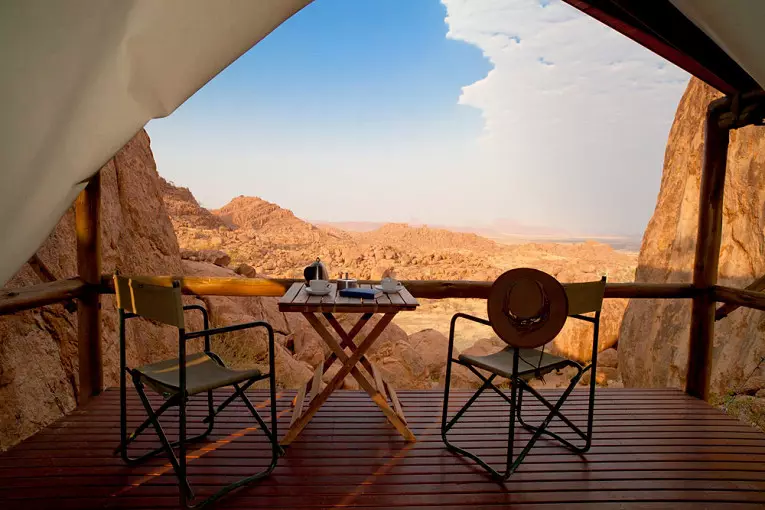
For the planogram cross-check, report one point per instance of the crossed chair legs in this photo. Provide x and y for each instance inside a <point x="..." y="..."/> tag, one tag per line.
<point x="515" y="400"/>
<point x="179" y="462"/>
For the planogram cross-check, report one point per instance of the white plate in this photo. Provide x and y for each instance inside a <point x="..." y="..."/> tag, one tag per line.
<point x="312" y="292"/>
<point x="399" y="288"/>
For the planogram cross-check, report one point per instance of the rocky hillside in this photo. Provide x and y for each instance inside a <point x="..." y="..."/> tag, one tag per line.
<point x="264" y="239"/>
<point x="38" y="348"/>
<point x="653" y="348"/>
<point x="276" y="243"/>
<point x="184" y="210"/>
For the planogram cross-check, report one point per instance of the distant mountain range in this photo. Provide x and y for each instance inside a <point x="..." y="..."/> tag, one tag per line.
<point x="503" y="231"/>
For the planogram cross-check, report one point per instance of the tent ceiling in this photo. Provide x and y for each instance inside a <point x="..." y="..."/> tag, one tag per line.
<point x="736" y="26"/>
<point x="661" y="27"/>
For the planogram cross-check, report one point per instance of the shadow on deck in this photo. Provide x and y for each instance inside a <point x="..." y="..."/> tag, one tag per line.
<point x="651" y="449"/>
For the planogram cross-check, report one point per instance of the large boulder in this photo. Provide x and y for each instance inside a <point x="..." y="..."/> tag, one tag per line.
<point x="575" y="340"/>
<point x="462" y="377"/>
<point x="349" y="383"/>
<point x="249" y="348"/>
<point x="653" y="345"/>
<point x="609" y="358"/>
<point x="432" y="346"/>
<point x="246" y="270"/>
<point x="391" y="335"/>
<point x="309" y="347"/>
<point x="399" y="363"/>
<point x="402" y="366"/>
<point x="217" y="257"/>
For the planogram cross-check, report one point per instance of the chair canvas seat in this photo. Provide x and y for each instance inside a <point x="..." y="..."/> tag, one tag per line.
<point x="202" y="373"/>
<point x="529" y="364"/>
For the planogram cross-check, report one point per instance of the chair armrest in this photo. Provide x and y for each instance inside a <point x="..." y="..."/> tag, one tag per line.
<point x="461" y="315"/>
<point x="205" y="322"/>
<point x="472" y="318"/>
<point x="229" y="329"/>
<point x="205" y="316"/>
<point x="238" y="327"/>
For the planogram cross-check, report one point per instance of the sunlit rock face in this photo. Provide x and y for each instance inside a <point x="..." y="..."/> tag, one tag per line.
<point x="38" y="348"/>
<point x="653" y="344"/>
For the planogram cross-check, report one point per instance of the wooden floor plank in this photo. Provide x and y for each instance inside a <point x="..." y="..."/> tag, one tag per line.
<point x="652" y="449"/>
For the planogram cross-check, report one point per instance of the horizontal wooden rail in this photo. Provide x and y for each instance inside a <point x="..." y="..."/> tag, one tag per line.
<point x="425" y="289"/>
<point x="214" y="285"/>
<point x="276" y="287"/>
<point x="24" y="298"/>
<point x="739" y="297"/>
<point x="651" y="290"/>
<point x="728" y="308"/>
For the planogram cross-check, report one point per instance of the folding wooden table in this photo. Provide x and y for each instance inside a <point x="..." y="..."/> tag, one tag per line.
<point x="381" y="392"/>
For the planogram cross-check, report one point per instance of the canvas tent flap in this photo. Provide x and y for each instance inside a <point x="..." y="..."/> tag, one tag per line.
<point x="736" y="26"/>
<point x="80" y="78"/>
<point x="663" y="28"/>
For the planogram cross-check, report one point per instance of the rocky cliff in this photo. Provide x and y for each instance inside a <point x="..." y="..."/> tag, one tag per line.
<point x="653" y="344"/>
<point x="38" y="348"/>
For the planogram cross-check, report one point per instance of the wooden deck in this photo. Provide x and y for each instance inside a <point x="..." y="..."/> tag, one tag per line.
<point x="652" y="449"/>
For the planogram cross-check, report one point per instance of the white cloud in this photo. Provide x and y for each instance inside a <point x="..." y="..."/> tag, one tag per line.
<point x="576" y="115"/>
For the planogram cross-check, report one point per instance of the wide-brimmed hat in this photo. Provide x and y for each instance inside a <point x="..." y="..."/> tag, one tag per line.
<point x="527" y="307"/>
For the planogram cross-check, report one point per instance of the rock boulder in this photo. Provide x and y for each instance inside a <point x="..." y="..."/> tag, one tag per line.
<point x="653" y="344"/>
<point x="38" y="348"/>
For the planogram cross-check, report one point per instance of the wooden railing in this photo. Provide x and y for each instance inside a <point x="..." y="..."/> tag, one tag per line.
<point x="25" y="298"/>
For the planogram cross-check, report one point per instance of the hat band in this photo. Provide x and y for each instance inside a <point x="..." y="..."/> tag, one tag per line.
<point x="529" y="324"/>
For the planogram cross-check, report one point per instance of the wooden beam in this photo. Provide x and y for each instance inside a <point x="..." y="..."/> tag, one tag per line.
<point x="276" y="287"/>
<point x="42" y="271"/>
<point x="33" y="296"/>
<point x="708" y="239"/>
<point x="87" y="213"/>
<point x="443" y="289"/>
<point x="730" y="307"/>
<point x="739" y="297"/>
<point x="425" y="289"/>
<point x="214" y="285"/>
<point x="650" y="290"/>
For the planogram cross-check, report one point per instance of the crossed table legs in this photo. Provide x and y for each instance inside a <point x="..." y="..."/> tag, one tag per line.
<point x="376" y="389"/>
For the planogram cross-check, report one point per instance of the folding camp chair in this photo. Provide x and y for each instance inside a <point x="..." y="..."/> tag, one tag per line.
<point x="527" y="309"/>
<point x="180" y="378"/>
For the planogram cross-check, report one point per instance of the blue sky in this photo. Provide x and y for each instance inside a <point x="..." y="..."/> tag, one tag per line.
<point x="414" y="110"/>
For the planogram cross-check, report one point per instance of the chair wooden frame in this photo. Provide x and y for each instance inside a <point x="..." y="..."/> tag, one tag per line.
<point x="577" y="308"/>
<point x="178" y="462"/>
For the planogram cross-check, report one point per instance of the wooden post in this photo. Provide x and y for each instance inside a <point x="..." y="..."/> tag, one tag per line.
<point x="706" y="262"/>
<point x="87" y="214"/>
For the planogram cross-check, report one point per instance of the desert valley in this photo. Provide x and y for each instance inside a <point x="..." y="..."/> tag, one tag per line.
<point x="258" y="238"/>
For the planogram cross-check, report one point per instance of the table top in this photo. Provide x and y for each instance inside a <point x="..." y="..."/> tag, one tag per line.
<point x="296" y="299"/>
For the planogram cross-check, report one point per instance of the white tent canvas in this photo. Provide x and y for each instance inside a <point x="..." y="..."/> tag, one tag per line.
<point x="81" y="77"/>
<point x="736" y="27"/>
